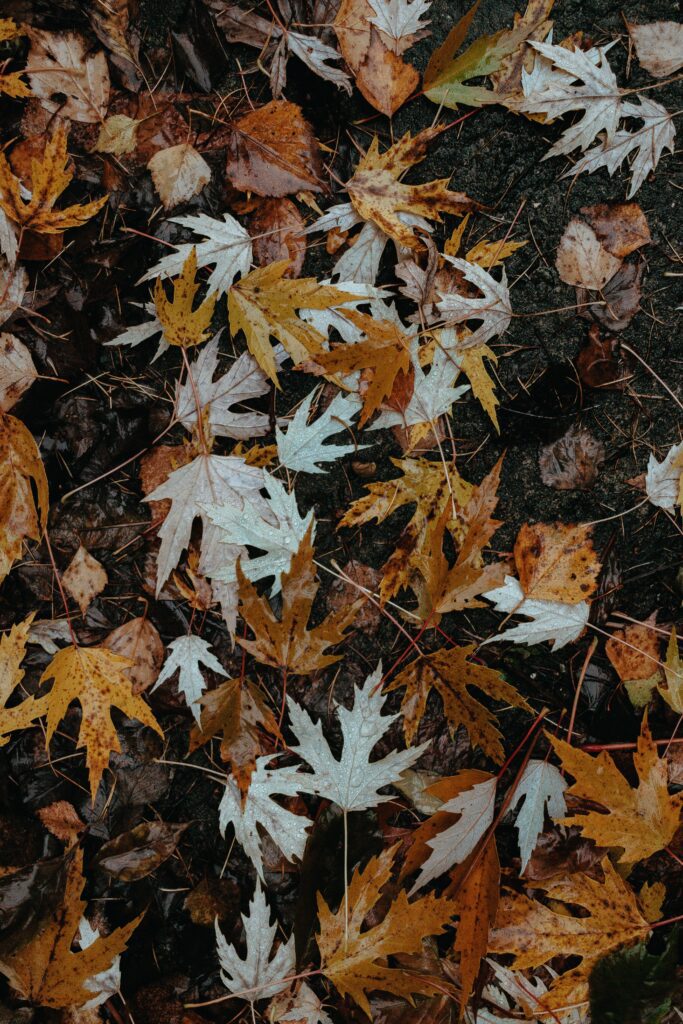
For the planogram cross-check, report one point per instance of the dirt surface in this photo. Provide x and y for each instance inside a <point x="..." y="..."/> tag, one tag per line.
<point x="96" y="409"/>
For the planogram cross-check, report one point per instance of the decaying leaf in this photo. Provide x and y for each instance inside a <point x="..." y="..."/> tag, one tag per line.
<point x="17" y="372"/>
<point x="638" y="821"/>
<point x="48" y="971"/>
<point x="557" y="562"/>
<point x="21" y="470"/>
<point x="12" y="653"/>
<point x="272" y="151"/>
<point x="573" y="461"/>
<point x="664" y="480"/>
<point x="289" y="642"/>
<point x="84" y="578"/>
<point x="66" y="77"/>
<point x="139" y="641"/>
<point x="659" y="46"/>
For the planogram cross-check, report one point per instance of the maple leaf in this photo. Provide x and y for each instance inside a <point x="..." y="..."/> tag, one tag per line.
<point x="355" y="961"/>
<point x="423" y="483"/>
<point x="260" y="974"/>
<point x="264" y="304"/>
<point x="186" y="655"/>
<point x="640" y="821"/>
<point x="48" y="179"/>
<point x="237" y="711"/>
<point x="664" y="480"/>
<point x="66" y="78"/>
<point x="384" y="352"/>
<point x="534" y="934"/>
<point x="17" y="371"/>
<point x="477" y="897"/>
<point x="378" y="196"/>
<point x="96" y="678"/>
<point x="439" y="844"/>
<point x="301" y="448"/>
<point x="450" y="672"/>
<point x="542" y="787"/>
<point x="552" y="620"/>
<point x="12" y="653"/>
<point x="493" y="309"/>
<point x="257" y="811"/>
<point x="288" y="642"/>
<point x="225" y="244"/>
<point x="400" y="22"/>
<point x="208" y="478"/>
<point x="243" y="381"/>
<point x="673" y="673"/>
<point x="178" y="173"/>
<point x="182" y="325"/>
<point x="599" y="96"/>
<point x="433" y="395"/>
<point x="47" y="971"/>
<point x="272" y="151"/>
<point x="353" y="781"/>
<point x="21" y="469"/>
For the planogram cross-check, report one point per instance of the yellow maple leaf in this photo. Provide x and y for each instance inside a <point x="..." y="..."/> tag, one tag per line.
<point x="673" y="673"/>
<point x="96" y="678"/>
<point x="21" y="469"/>
<point x="450" y="672"/>
<point x="184" y="326"/>
<point x="423" y="483"/>
<point x="12" y="653"/>
<point x="48" y="179"/>
<point x="9" y="29"/>
<point x="288" y="642"/>
<point x="640" y="821"/>
<point x="483" y="385"/>
<point x="47" y="971"/>
<point x="535" y="934"/>
<point x="354" y="960"/>
<point x="377" y="194"/>
<point x="12" y="84"/>
<point x="263" y="305"/>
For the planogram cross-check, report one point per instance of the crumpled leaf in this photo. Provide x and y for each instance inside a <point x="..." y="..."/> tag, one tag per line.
<point x="640" y="821"/>
<point x="186" y="656"/>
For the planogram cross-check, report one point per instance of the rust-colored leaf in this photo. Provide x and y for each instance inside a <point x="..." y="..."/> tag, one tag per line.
<point x="272" y="151"/>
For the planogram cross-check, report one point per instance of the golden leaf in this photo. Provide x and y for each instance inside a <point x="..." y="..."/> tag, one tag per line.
<point x="288" y="642"/>
<point x="12" y="652"/>
<point x="49" y="178"/>
<point x="264" y="304"/>
<point x="96" y="678"/>
<point x="483" y="385"/>
<point x="359" y="965"/>
<point x="21" y="469"/>
<point x="534" y="934"/>
<point x="183" y="325"/>
<point x="47" y="971"/>
<point x="450" y="672"/>
<point x="557" y="562"/>
<point x="673" y="672"/>
<point x="640" y="821"/>
<point x="477" y="898"/>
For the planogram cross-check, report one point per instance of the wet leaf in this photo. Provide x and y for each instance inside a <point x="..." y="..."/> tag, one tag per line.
<point x="272" y="151"/>
<point x="136" y="854"/>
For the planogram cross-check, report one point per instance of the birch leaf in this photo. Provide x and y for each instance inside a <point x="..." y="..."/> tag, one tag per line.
<point x="186" y="655"/>
<point x="659" y="46"/>
<point x="542" y="787"/>
<point x="178" y="173"/>
<point x="66" y="77"/>
<point x="17" y="371"/>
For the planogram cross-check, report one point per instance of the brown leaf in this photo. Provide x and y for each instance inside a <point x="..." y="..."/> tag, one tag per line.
<point x="61" y="819"/>
<point x="67" y="78"/>
<point x="572" y="462"/>
<point x="155" y="467"/>
<point x="276" y="227"/>
<point x="272" y="151"/>
<point x="21" y="471"/>
<point x="384" y="79"/>
<point x="620" y="299"/>
<point x="635" y="651"/>
<point x="213" y="898"/>
<point x="139" y="641"/>
<point x="343" y="592"/>
<point x="621" y="228"/>
<point x="598" y="363"/>
<point x="288" y="642"/>
<point x="582" y="260"/>
<point x="563" y="851"/>
<point x="556" y="562"/>
<point x="84" y="578"/>
<point x="17" y="372"/>
<point x="136" y="854"/>
<point x="477" y="899"/>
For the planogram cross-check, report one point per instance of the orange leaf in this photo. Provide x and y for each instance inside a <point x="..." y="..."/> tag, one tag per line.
<point x="272" y="151"/>
<point x="557" y="562"/>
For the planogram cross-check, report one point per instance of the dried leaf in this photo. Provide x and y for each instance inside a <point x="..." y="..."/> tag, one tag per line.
<point x="136" y="854"/>
<point x="21" y="470"/>
<point x="581" y="258"/>
<point x="182" y="325"/>
<point x="673" y="674"/>
<point x="659" y="46"/>
<point x="272" y="151"/>
<point x="138" y="640"/>
<point x="12" y="653"/>
<point x="17" y="372"/>
<point x="178" y="174"/>
<point x="557" y="562"/>
<point x="67" y="78"/>
<point x="276" y="227"/>
<point x="477" y="903"/>
<point x="84" y="578"/>
<point x="572" y="462"/>
<point x="621" y="228"/>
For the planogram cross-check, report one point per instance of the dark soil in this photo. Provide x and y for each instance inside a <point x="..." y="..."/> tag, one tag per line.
<point x="108" y="405"/>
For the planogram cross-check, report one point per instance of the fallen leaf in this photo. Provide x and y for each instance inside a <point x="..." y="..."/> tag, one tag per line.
<point x="664" y="480"/>
<point x="557" y="562"/>
<point x="673" y="674"/>
<point x="581" y="258"/>
<point x="451" y="673"/>
<point x="67" y="78"/>
<point x="659" y="46"/>
<point x="136" y="854"/>
<point x="634" y="652"/>
<point x="301" y="448"/>
<point x="225" y="243"/>
<point x="12" y="653"/>
<point x="138" y="640"/>
<point x="47" y="971"/>
<point x="572" y="462"/>
<point x="186" y="655"/>
<point x="621" y="228"/>
<point x="93" y="676"/>
<point x="61" y="819"/>
<point x="355" y="961"/>
<point x="17" y="372"/>
<point x="84" y="578"/>
<point x="261" y="974"/>
<point x="598" y="364"/>
<point x="477" y="899"/>
<point x="272" y="151"/>
<point x="551" y="620"/>
<point x="618" y="303"/>
<point x="178" y="173"/>
<point x="21" y="470"/>
<point x="118" y="135"/>
<point x="493" y="308"/>
<point x="638" y="821"/>
<point x="276" y="227"/>
<point x="534" y="933"/>
<point x="182" y="325"/>
<point x="542" y="787"/>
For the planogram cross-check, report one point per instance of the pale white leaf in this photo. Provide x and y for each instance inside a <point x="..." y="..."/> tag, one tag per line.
<point x="400" y="21"/>
<point x="433" y="393"/>
<point x="663" y="479"/>
<point x="225" y="243"/>
<point x="9" y="241"/>
<point x="551" y="620"/>
<point x="493" y="309"/>
<point x="186" y="655"/>
<point x="352" y="781"/>
<point x="645" y="144"/>
<point x="659" y="46"/>
<point x="454" y="844"/>
<point x="44" y="633"/>
<point x="316" y="54"/>
<point x="178" y="173"/>
<point x="17" y="371"/>
<point x="301" y="447"/>
<point x="542" y="786"/>
<point x="137" y="333"/>
<point x="288" y="831"/>
<point x="67" y="77"/>
<point x="333" y="317"/>
<point x="225" y="479"/>
<point x="262" y="973"/>
<point x="13" y="285"/>
<point x="273" y="525"/>
<point x="108" y="982"/>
